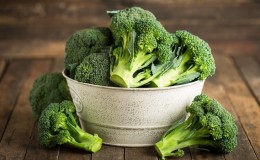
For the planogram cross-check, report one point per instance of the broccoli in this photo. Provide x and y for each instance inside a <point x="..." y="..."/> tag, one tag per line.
<point x="208" y="126"/>
<point x="191" y="59"/>
<point x="84" y="42"/>
<point x="94" y="69"/>
<point x="140" y="40"/>
<point x="58" y="125"/>
<point x="48" y="88"/>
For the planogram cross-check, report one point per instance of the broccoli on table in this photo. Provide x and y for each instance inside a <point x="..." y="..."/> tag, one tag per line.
<point x="84" y="42"/>
<point x="209" y="126"/>
<point x="191" y="60"/>
<point x="48" y="88"/>
<point x="94" y="69"/>
<point x="58" y="125"/>
<point x="140" y="40"/>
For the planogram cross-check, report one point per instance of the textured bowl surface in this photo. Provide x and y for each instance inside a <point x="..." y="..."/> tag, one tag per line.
<point x="130" y="117"/>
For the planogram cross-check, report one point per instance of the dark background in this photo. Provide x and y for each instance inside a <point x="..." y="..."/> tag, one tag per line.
<point x="39" y="29"/>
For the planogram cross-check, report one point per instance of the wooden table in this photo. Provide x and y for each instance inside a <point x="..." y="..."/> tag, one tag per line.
<point x="32" y="38"/>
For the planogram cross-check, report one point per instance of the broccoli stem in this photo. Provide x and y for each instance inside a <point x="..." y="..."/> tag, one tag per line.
<point x="179" y="75"/>
<point x="124" y="73"/>
<point x="184" y="135"/>
<point x="94" y="144"/>
<point x="83" y="139"/>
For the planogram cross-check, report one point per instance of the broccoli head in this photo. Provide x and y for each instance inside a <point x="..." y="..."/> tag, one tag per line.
<point x="94" y="69"/>
<point x="191" y="60"/>
<point x="58" y="125"/>
<point x="84" y="42"/>
<point x="140" y="40"/>
<point x="48" y="88"/>
<point x="208" y="126"/>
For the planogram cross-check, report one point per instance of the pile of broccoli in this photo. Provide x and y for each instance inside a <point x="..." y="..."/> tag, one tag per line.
<point x="56" y="114"/>
<point x="58" y="124"/>
<point x="209" y="126"/>
<point x="137" y="51"/>
<point x="134" y="51"/>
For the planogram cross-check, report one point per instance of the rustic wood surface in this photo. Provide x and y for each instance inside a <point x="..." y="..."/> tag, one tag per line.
<point x="32" y="38"/>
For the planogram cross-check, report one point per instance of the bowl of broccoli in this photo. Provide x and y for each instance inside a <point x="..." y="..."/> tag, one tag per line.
<point x="130" y="116"/>
<point x="131" y="80"/>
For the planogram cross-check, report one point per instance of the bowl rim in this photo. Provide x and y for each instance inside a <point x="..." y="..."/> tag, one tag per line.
<point x="130" y="89"/>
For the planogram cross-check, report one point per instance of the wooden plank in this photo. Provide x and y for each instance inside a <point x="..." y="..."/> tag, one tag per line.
<point x="200" y="20"/>
<point x="244" y="150"/>
<point x="246" y="107"/>
<point x="199" y="154"/>
<point x="36" y="151"/>
<point x="3" y="64"/>
<point x="11" y="85"/>
<point x="32" y="49"/>
<point x="69" y="154"/>
<point x="58" y="65"/>
<point x="67" y="10"/>
<point x="222" y="28"/>
<point x="250" y="69"/>
<point x="246" y="47"/>
<point x="109" y="153"/>
<point x="111" y="2"/>
<point x="191" y="2"/>
<point x="47" y="48"/>
<point x="147" y="153"/>
<point x="18" y="132"/>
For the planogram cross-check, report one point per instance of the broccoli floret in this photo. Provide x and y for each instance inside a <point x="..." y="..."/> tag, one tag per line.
<point x="208" y="126"/>
<point x="84" y="42"/>
<point x="48" y="88"/>
<point x="191" y="60"/>
<point x="140" y="40"/>
<point x="94" y="69"/>
<point x="58" y="125"/>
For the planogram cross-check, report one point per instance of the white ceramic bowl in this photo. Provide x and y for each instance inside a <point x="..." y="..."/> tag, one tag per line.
<point x="131" y="117"/>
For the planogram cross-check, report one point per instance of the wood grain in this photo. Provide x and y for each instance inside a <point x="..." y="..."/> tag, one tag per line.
<point x="69" y="154"/>
<point x="10" y="87"/>
<point x="37" y="152"/>
<point x="211" y="22"/>
<point x="3" y="64"/>
<point x="246" y="107"/>
<point x="217" y="91"/>
<point x="250" y="69"/>
<point x="109" y="153"/>
<point x="32" y="49"/>
<point x="58" y="65"/>
<point x="147" y="153"/>
<point x="20" y="125"/>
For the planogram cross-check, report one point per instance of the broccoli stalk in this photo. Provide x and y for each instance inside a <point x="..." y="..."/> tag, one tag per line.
<point x="58" y="125"/>
<point x="191" y="60"/>
<point x="140" y="40"/>
<point x="209" y="126"/>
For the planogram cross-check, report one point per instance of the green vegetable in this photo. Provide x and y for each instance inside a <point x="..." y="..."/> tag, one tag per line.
<point x="191" y="60"/>
<point x="140" y="40"/>
<point x="94" y="69"/>
<point x="48" y="88"/>
<point x="209" y="126"/>
<point x="84" y="42"/>
<point x="58" y="125"/>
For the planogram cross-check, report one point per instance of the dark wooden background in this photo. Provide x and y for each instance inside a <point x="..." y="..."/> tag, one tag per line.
<point x="32" y="39"/>
<point x="39" y="28"/>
